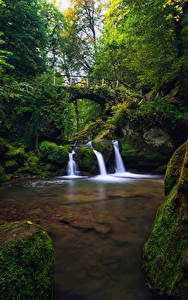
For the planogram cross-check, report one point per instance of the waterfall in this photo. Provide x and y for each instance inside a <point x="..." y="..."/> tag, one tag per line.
<point x="100" y="159"/>
<point x="119" y="165"/>
<point x="72" y="168"/>
<point x="101" y="163"/>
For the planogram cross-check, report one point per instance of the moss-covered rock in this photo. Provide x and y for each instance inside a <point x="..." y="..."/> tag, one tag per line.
<point x="17" y="154"/>
<point x="141" y="157"/>
<point x="165" y="254"/>
<point x="86" y="160"/>
<point x="174" y="168"/>
<point x="3" y="175"/>
<point x="89" y="132"/>
<point x="26" y="262"/>
<point x="56" y="155"/>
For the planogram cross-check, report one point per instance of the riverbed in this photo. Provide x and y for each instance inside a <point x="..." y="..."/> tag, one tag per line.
<point x="98" y="228"/>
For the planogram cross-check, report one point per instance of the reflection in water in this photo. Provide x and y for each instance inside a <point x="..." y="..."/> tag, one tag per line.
<point x="98" y="230"/>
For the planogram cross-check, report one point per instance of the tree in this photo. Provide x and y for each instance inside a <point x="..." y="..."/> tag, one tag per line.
<point x="30" y="30"/>
<point x="79" y="39"/>
<point x="146" y="44"/>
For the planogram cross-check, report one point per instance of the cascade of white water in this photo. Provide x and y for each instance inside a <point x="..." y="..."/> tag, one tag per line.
<point x="101" y="163"/>
<point x="72" y="168"/>
<point x="119" y="165"/>
<point x="100" y="160"/>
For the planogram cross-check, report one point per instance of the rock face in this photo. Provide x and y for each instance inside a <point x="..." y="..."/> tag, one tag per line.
<point x="26" y="262"/>
<point x="146" y="150"/>
<point x="165" y="254"/>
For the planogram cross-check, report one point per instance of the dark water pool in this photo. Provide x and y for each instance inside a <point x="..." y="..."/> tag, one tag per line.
<point x="98" y="231"/>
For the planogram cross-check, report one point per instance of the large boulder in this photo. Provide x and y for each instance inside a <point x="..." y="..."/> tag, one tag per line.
<point x="26" y="262"/>
<point x="146" y="150"/>
<point x="86" y="160"/>
<point x="165" y="254"/>
<point x="54" y="156"/>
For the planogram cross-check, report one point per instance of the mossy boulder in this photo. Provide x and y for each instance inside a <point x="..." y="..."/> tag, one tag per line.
<point x="3" y="175"/>
<point x="26" y="262"/>
<point x="56" y="155"/>
<point x="86" y="160"/>
<point x="165" y="254"/>
<point x="17" y="154"/>
<point x="141" y="157"/>
<point x="174" y="168"/>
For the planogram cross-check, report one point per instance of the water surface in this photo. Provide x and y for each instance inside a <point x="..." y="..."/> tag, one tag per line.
<point x="98" y="230"/>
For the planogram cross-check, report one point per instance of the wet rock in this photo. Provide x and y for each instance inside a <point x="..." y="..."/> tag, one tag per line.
<point x="107" y="150"/>
<point x="86" y="224"/>
<point x="165" y="254"/>
<point x="26" y="262"/>
<point x="86" y="160"/>
<point x="157" y="137"/>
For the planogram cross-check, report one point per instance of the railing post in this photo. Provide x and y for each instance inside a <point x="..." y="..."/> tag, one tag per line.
<point x="54" y="80"/>
<point x="87" y="83"/>
<point x="117" y="84"/>
<point x="102" y="81"/>
<point x="70" y="81"/>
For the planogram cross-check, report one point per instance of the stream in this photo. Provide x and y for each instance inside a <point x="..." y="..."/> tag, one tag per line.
<point x="98" y="229"/>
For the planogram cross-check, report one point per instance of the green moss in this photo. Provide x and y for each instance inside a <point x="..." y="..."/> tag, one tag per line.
<point x="103" y="146"/>
<point x="2" y="170"/>
<point x="54" y="154"/>
<point x="11" y="166"/>
<point x="3" y="175"/>
<point x="166" y="251"/>
<point x="89" y="131"/>
<point x="26" y="264"/>
<point x="85" y="158"/>
<point x="174" y="168"/>
<point x="17" y="154"/>
<point x="140" y="157"/>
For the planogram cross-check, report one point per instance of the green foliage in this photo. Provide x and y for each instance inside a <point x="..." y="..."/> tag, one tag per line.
<point x="143" y="45"/>
<point x="157" y="113"/>
<point x="11" y="166"/>
<point x="3" y="175"/>
<point x="31" y="113"/>
<point x="79" y="38"/>
<point x="2" y="171"/>
<point x="17" y="154"/>
<point x="26" y="265"/>
<point x="54" y="154"/>
<point x="28" y="27"/>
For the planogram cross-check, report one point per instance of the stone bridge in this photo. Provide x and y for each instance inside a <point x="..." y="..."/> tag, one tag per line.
<point x="100" y="91"/>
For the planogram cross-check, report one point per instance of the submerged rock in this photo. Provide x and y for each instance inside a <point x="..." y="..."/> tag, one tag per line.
<point x="165" y="254"/>
<point x="26" y="262"/>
